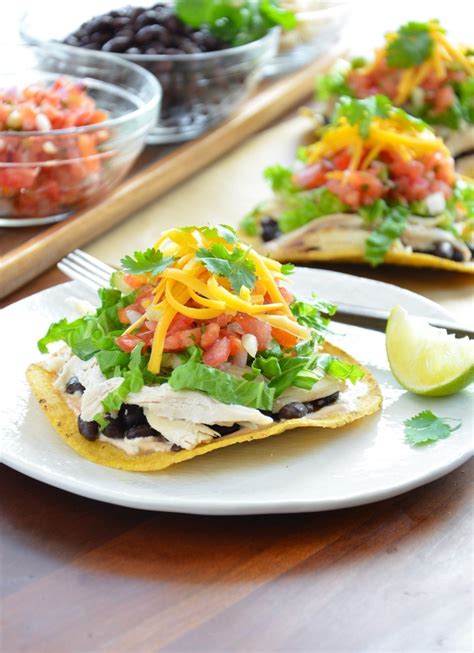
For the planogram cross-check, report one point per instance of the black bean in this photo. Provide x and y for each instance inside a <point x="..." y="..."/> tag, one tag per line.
<point x="99" y="24"/>
<point x="149" y="17"/>
<point x="131" y="415"/>
<point x="133" y="51"/>
<point x="142" y="431"/>
<point x="117" y="44"/>
<point x="74" y="385"/>
<point x="270" y="228"/>
<point x="120" y="23"/>
<point x="471" y="248"/>
<point x="444" y="249"/>
<point x="224" y="430"/>
<point x="176" y="447"/>
<point x="317" y="404"/>
<point x="152" y="33"/>
<point x="114" y="429"/>
<point x="89" y="430"/>
<point x="293" y="411"/>
<point x="458" y="256"/>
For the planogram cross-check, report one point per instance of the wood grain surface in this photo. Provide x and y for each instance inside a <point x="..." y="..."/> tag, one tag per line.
<point x="80" y="576"/>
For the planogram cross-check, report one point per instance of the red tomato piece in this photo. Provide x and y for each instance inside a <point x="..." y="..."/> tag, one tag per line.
<point x="235" y="345"/>
<point x="122" y="315"/>
<point x="284" y="338"/>
<point x="182" y="339"/>
<point x="261" y="330"/>
<point x="179" y="323"/>
<point x="217" y="354"/>
<point x="313" y="176"/>
<point x="128" y="342"/>
<point x="210" y="335"/>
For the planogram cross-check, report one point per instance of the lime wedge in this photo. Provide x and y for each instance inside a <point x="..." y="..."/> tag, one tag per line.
<point x="426" y="360"/>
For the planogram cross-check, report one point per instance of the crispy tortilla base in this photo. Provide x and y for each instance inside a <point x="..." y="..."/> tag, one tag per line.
<point x="355" y="402"/>
<point x="354" y="255"/>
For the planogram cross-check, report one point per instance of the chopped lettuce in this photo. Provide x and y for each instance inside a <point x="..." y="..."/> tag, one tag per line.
<point x="222" y="386"/>
<point x="90" y="333"/>
<point x="281" y="179"/>
<point x="305" y="207"/>
<point x="380" y="240"/>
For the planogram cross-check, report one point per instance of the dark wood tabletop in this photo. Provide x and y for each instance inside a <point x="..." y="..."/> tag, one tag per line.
<point x="83" y="576"/>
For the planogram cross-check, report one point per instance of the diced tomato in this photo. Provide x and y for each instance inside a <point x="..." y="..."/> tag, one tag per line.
<point x="217" y="354"/>
<point x="179" y="323"/>
<point x="127" y="342"/>
<point x="223" y="320"/>
<point x="284" y="338"/>
<point x="341" y="160"/>
<point x="134" y="280"/>
<point x="122" y="315"/>
<point x="261" y="330"/>
<point x="182" y="339"/>
<point x="235" y="345"/>
<point x="210" y="335"/>
<point x="17" y="178"/>
<point x="444" y="99"/>
<point x="313" y="176"/>
<point x="286" y="294"/>
<point x="146" y="335"/>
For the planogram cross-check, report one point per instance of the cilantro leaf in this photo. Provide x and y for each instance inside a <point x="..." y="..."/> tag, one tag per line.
<point x="234" y="265"/>
<point x="152" y="261"/>
<point x="412" y="45"/>
<point x="332" y="84"/>
<point x="362" y="112"/>
<point x="223" y="231"/>
<point x="380" y="240"/>
<point x="280" y="178"/>
<point x="427" y="427"/>
<point x="314" y="314"/>
<point x="287" y="268"/>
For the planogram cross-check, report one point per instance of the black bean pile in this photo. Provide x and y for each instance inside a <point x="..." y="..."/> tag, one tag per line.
<point x="270" y="229"/>
<point x="130" y="423"/>
<point x="298" y="409"/>
<point x="137" y="30"/>
<point x="444" y="249"/>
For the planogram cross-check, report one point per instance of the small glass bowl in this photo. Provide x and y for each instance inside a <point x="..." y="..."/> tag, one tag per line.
<point x="199" y="90"/>
<point x="46" y="175"/>
<point x="319" y="24"/>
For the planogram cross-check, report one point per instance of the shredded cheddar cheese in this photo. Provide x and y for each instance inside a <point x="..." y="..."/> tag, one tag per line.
<point x="187" y="288"/>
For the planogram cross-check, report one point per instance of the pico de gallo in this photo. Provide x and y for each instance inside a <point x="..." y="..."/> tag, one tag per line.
<point x="202" y="322"/>
<point x="377" y="179"/>
<point x="44" y="170"/>
<point x="420" y="70"/>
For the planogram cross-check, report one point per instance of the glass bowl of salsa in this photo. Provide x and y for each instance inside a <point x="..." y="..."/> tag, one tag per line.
<point x="72" y="123"/>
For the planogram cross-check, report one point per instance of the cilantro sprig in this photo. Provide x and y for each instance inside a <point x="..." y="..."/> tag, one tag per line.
<point x="151" y="260"/>
<point x="426" y="427"/>
<point x="362" y="112"/>
<point x="412" y="45"/>
<point x="380" y="239"/>
<point x="234" y="265"/>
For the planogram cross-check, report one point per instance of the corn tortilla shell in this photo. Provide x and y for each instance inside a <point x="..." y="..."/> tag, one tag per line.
<point x="354" y="255"/>
<point x="354" y="402"/>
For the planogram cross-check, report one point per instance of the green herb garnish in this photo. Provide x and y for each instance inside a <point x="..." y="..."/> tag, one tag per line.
<point x="234" y="265"/>
<point x="412" y="46"/>
<point x="151" y="261"/>
<point x="380" y="240"/>
<point x="426" y="427"/>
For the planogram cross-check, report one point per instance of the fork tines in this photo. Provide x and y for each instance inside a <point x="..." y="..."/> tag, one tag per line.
<point x="86" y="268"/>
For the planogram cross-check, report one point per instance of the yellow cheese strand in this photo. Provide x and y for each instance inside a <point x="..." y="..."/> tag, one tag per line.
<point x="194" y="313"/>
<point x="283" y="323"/>
<point x="235" y="303"/>
<point x="154" y="364"/>
<point x="457" y="55"/>
<point x="373" y="154"/>
<point x="265" y="275"/>
<point x="210" y="303"/>
<point x="188" y="280"/>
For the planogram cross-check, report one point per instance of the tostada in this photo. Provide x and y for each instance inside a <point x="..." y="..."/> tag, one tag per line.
<point x="197" y="344"/>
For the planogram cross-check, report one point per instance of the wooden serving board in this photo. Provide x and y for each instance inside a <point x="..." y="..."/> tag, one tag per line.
<point x="28" y="252"/>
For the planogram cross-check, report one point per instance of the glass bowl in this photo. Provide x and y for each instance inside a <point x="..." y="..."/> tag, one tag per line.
<point x="47" y="174"/>
<point x="319" y="24"/>
<point x="199" y="90"/>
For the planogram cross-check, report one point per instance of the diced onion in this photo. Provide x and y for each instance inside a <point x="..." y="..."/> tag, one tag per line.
<point x="153" y="313"/>
<point x="132" y="315"/>
<point x="250" y="344"/>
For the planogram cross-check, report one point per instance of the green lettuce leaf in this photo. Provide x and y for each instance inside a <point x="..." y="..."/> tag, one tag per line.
<point x="222" y="386"/>
<point x="380" y="240"/>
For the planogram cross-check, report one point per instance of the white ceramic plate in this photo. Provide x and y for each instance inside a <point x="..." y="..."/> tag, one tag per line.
<point x="297" y="471"/>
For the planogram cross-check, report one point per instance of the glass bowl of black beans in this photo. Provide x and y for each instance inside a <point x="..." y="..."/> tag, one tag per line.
<point x="203" y="78"/>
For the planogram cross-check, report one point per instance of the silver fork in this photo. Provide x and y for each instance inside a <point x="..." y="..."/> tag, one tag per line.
<point x="86" y="268"/>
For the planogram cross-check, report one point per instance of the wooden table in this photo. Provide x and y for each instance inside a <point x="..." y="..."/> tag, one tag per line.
<point x="82" y="576"/>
